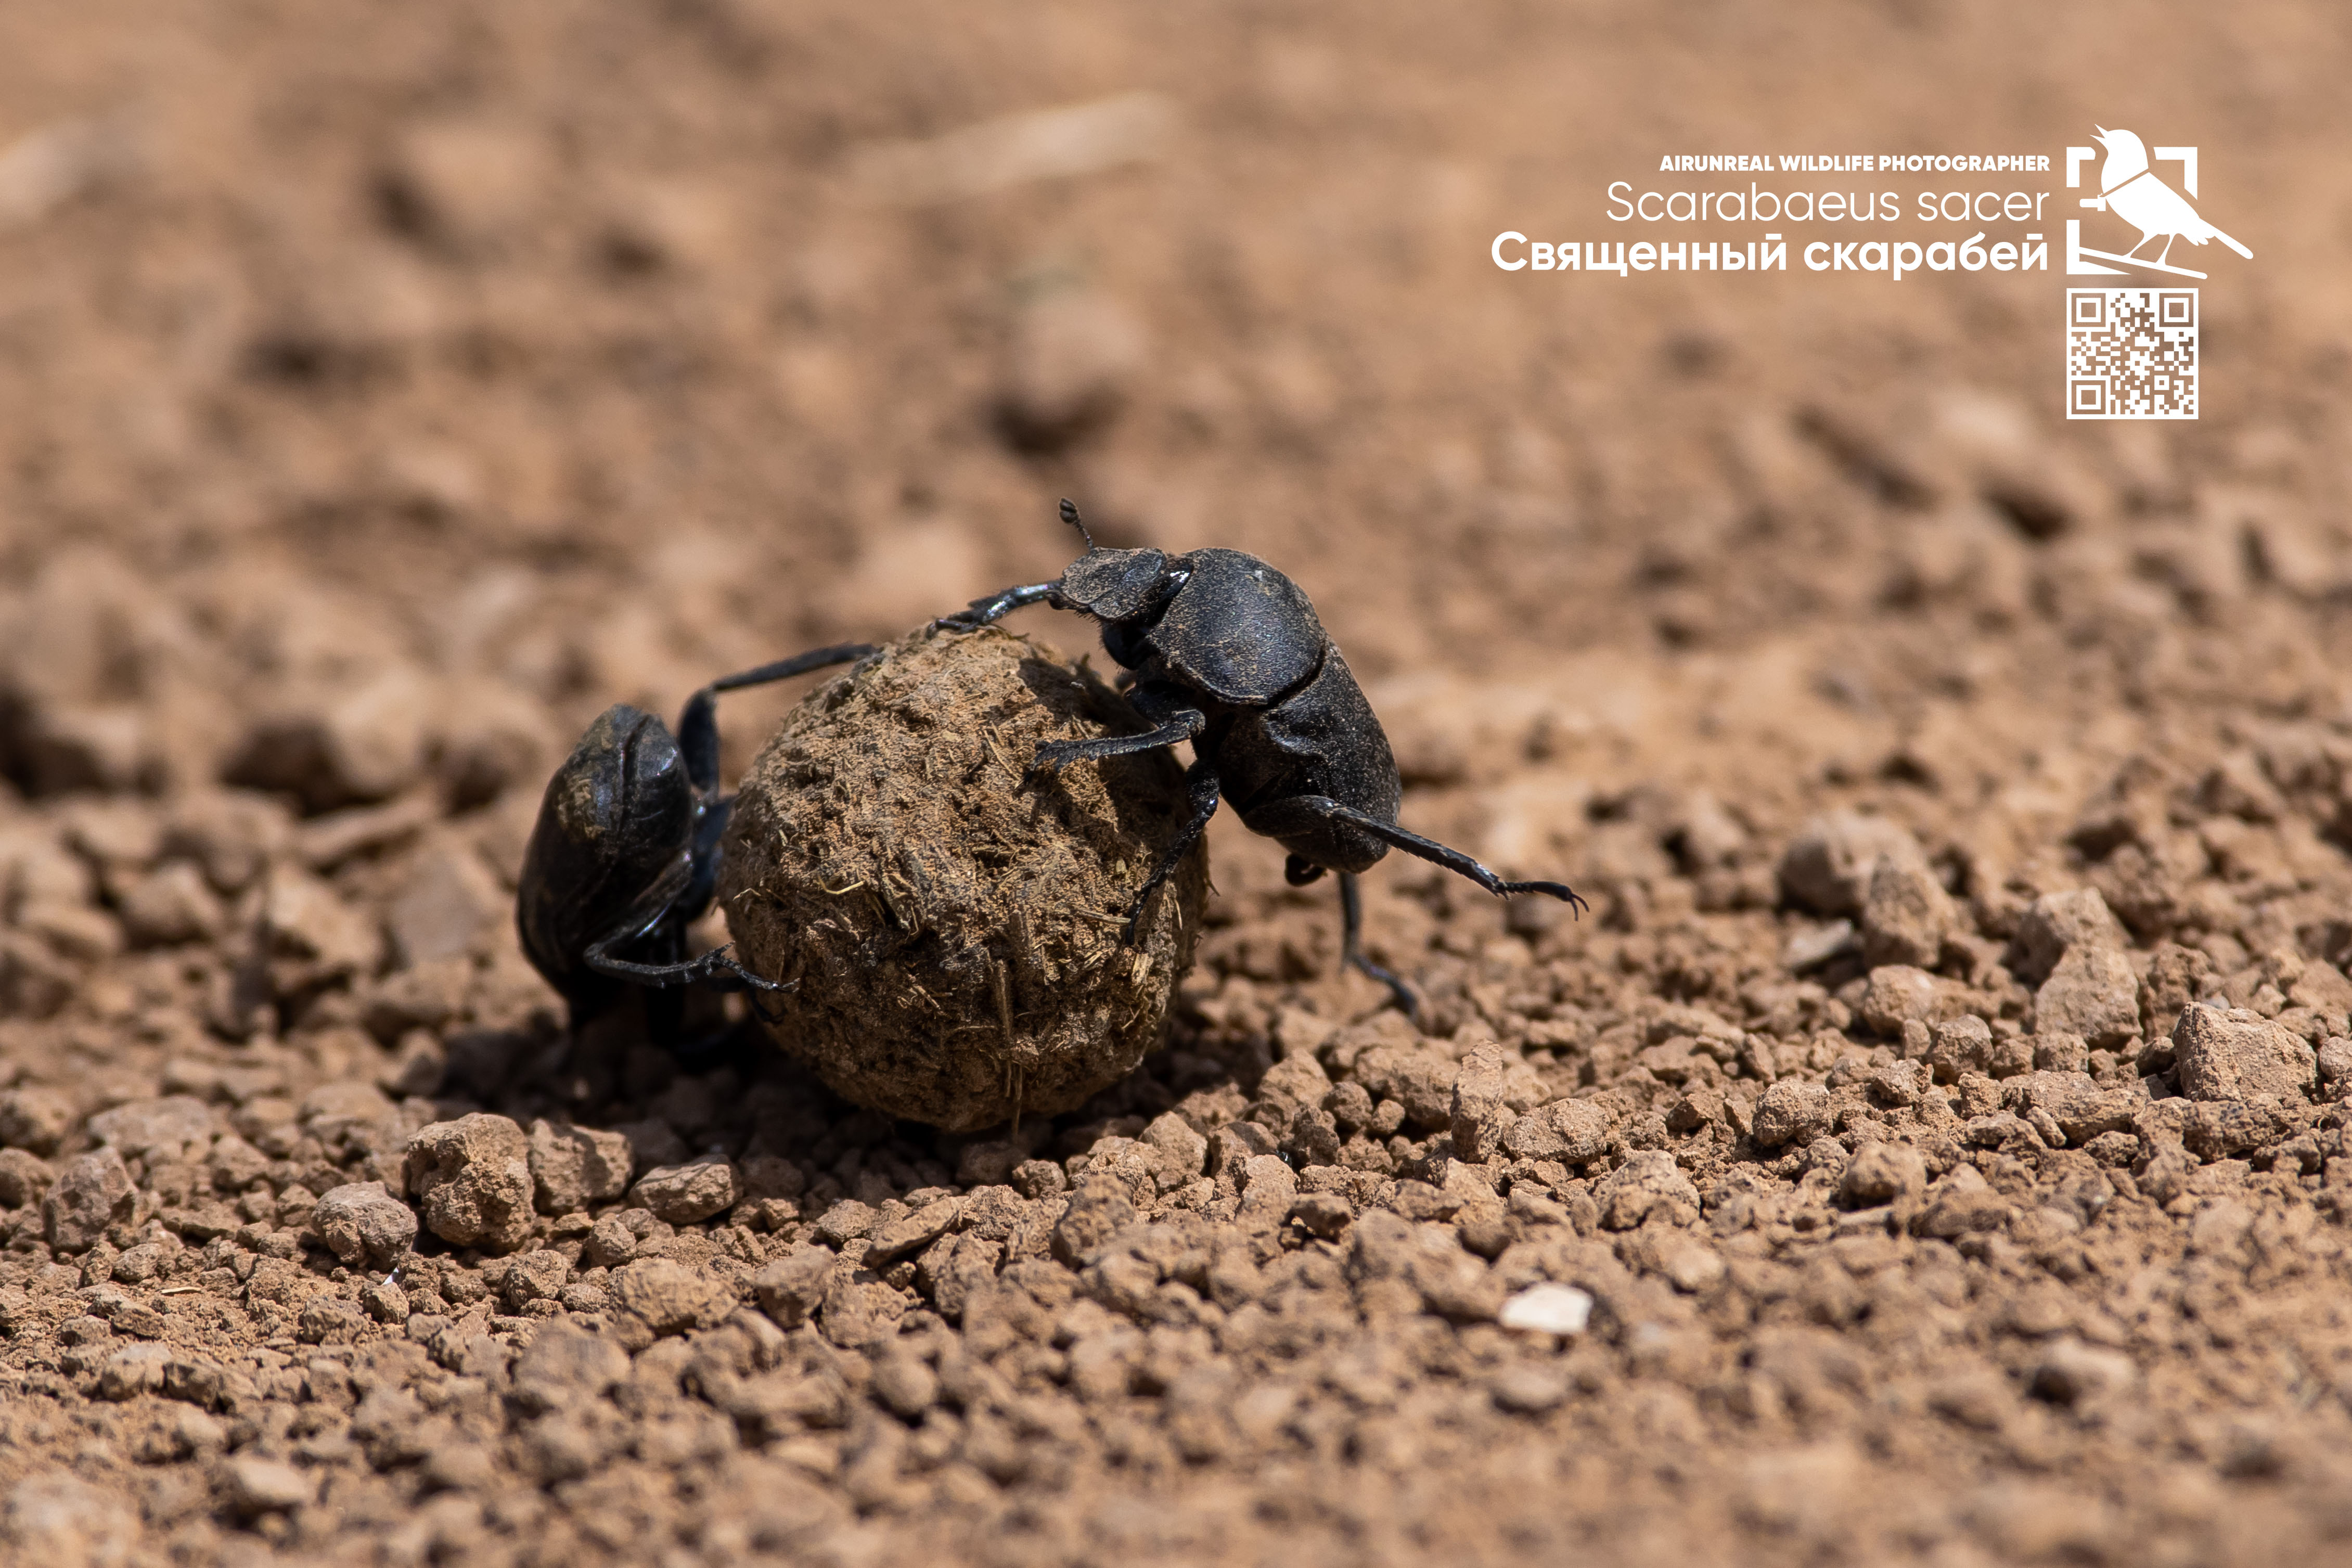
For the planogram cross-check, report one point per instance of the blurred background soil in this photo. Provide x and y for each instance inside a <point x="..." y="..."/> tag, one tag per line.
<point x="384" y="390"/>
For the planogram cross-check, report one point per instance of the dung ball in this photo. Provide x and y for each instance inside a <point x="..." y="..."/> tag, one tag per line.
<point x="951" y="926"/>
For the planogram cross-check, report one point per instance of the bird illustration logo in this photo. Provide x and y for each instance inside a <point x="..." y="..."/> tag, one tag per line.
<point x="2134" y="193"/>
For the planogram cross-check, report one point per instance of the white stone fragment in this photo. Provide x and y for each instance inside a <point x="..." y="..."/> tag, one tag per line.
<point x="1549" y="1309"/>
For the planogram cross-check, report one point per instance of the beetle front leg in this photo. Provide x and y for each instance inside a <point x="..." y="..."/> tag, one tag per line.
<point x="1054" y="755"/>
<point x="656" y="916"/>
<point x="756" y="993"/>
<point x="996" y="606"/>
<point x="1201" y="787"/>
<point x="665" y="1004"/>
<point x="712" y="968"/>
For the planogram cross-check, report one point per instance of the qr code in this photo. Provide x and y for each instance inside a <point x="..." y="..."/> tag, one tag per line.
<point x="2131" y="353"/>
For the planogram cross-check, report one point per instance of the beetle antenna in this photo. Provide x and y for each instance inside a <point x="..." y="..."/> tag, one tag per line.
<point x="1070" y="516"/>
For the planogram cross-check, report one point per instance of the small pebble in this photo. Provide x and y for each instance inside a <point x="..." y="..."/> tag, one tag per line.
<point x="1561" y="1309"/>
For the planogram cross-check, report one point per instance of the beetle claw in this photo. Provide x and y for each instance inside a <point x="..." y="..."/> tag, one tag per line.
<point x="756" y="1002"/>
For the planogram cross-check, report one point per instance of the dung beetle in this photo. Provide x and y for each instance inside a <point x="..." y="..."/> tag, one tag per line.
<point x="1225" y="652"/>
<point x="624" y="855"/>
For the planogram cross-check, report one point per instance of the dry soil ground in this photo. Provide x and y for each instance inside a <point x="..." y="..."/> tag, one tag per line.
<point x="388" y="389"/>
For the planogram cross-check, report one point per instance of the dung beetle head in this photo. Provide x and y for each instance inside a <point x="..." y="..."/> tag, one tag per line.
<point x="1114" y="584"/>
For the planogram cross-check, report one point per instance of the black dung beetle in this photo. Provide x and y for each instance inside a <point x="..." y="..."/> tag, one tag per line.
<point x="624" y="855"/>
<point x="1226" y="653"/>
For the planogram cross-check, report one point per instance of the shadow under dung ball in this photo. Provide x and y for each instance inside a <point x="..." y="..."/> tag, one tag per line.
<point x="954" y="930"/>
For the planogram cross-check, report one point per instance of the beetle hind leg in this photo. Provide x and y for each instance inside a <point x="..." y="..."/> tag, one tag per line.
<point x="1351" y="947"/>
<point x="1438" y="854"/>
<point x="697" y="724"/>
